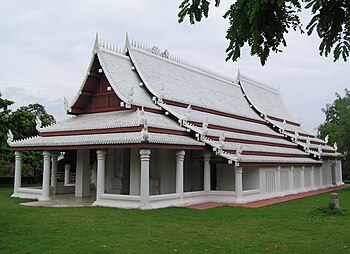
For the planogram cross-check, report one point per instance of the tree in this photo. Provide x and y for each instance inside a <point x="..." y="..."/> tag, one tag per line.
<point x="263" y="24"/>
<point x="22" y="124"/>
<point x="4" y="116"/>
<point x="337" y="126"/>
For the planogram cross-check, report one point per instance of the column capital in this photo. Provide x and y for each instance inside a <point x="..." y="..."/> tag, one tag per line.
<point x="206" y="155"/>
<point x="145" y="152"/>
<point x="180" y="155"/>
<point x="101" y="154"/>
<point x="18" y="155"/>
<point x="238" y="170"/>
<point x="46" y="154"/>
<point x="279" y="168"/>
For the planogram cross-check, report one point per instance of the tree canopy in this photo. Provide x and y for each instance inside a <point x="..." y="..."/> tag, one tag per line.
<point x="262" y="25"/>
<point x="22" y="124"/>
<point x="337" y="126"/>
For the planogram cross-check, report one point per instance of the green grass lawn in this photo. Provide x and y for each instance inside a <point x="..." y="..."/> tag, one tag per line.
<point x="291" y="227"/>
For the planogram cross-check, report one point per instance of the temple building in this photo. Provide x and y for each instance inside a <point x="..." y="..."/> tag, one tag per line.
<point x="148" y="130"/>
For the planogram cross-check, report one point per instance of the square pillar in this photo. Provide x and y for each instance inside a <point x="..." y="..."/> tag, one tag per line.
<point x="302" y="178"/>
<point x="46" y="177"/>
<point x="144" y="184"/>
<point x="239" y="185"/>
<point x="206" y="159"/>
<point x="290" y="179"/>
<point x="321" y="177"/>
<point x="101" y="170"/>
<point x="180" y="157"/>
<point x="339" y="172"/>
<point x="278" y="179"/>
<point x="54" y="156"/>
<point x="312" y="178"/>
<point x="66" y="174"/>
<point x="18" y="173"/>
<point x="82" y="178"/>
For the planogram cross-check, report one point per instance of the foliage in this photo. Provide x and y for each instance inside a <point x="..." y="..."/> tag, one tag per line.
<point x="337" y="127"/>
<point x="22" y="124"/>
<point x="4" y="116"/>
<point x="290" y="227"/>
<point x="263" y="24"/>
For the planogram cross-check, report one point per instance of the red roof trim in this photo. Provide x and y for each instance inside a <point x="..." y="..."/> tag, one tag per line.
<point x="259" y="153"/>
<point x="276" y="164"/>
<point x="245" y="141"/>
<point x="218" y="127"/>
<point x="212" y="111"/>
<point x="141" y="145"/>
<point x="114" y="130"/>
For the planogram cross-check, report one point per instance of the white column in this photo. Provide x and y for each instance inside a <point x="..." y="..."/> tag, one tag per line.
<point x="180" y="157"/>
<point x="54" y="156"/>
<point x="101" y="168"/>
<point x="46" y="177"/>
<point x="290" y="178"/>
<point x="321" y="177"/>
<point x="302" y="178"/>
<point x="206" y="157"/>
<point x="66" y="174"/>
<point x="278" y="179"/>
<point x="239" y="185"/>
<point x="144" y="184"/>
<point x="312" y="178"/>
<point x="18" y="173"/>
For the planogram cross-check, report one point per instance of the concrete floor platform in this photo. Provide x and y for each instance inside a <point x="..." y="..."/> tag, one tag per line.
<point x="266" y="202"/>
<point x="66" y="200"/>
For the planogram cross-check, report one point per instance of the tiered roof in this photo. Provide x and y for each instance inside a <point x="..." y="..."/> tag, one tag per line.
<point x="183" y="106"/>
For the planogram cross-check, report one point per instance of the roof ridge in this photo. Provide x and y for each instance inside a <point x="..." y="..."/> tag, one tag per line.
<point x="258" y="83"/>
<point x="155" y="50"/>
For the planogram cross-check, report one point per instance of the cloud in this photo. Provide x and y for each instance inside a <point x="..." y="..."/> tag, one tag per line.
<point x="46" y="48"/>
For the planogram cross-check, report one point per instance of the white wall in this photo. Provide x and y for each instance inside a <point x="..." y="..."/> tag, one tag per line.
<point x="250" y="178"/>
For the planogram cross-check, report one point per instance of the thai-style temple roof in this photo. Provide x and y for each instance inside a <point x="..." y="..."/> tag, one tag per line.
<point x="141" y="95"/>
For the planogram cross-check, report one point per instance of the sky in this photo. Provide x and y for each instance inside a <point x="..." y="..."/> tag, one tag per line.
<point x="46" y="48"/>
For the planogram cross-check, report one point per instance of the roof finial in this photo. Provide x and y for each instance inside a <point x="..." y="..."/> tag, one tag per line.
<point x="326" y="139"/>
<point x="144" y="131"/>
<point x="9" y="137"/>
<point x="38" y="123"/>
<point x="238" y="79"/>
<point x="66" y="104"/>
<point x="127" y="44"/>
<point x="96" y="45"/>
<point x="239" y="151"/>
<point x="222" y="140"/>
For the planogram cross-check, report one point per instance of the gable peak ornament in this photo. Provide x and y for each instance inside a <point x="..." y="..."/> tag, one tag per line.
<point x="38" y="123"/>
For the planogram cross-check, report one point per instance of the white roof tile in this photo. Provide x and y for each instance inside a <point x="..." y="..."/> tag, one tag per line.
<point x="188" y="85"/>
<point x="122" y="78"/>
<point x="266" y="99"/>
<point x="104" y="139"/>
<point x="117" y="119"/>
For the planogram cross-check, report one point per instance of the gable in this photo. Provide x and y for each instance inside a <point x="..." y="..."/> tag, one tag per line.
<point x="97" y="94"/>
